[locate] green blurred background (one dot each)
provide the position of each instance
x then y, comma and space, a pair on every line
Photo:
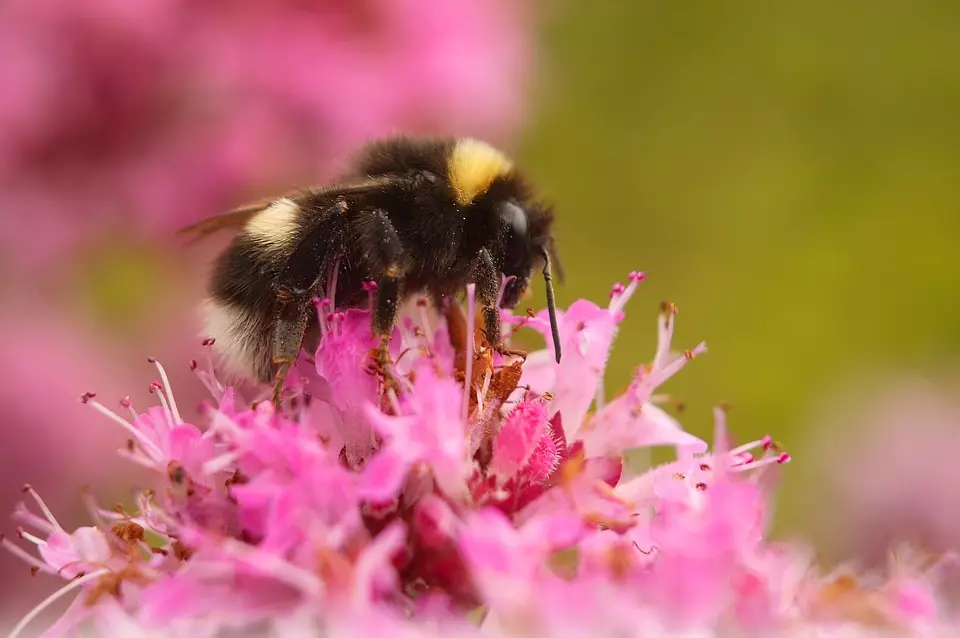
787, 173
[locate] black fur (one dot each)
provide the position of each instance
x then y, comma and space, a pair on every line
396, 222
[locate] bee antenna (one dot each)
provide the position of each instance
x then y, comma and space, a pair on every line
551, 303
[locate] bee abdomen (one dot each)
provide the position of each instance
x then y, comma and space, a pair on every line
243, 339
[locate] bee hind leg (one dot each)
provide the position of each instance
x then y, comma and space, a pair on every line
287, 340
384, 255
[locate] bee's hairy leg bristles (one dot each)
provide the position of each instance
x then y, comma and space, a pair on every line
551, 304
385, 256
294, 315
282, 371
384, 364
487, 279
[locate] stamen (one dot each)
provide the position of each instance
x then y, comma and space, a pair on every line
332, 283
169, 391
737, 451
33, 561
393, 401
425, 324
617, 303
468, 353
487, 377
22, 514
208, 378
220, 463
92, 509
663, 374
27, 536
157, 389
28, 489
756, 464
149, 446
54, 597
137, 458
274, 566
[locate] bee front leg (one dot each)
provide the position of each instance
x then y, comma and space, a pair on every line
487, 278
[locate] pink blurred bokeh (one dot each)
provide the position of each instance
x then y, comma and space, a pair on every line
888, 470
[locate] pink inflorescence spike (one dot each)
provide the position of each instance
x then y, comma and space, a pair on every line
375, 506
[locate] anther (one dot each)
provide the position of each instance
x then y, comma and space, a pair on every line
209, 341
86, 396
637, 276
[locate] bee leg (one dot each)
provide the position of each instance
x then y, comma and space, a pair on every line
288, 334
384, 316
487, 279
384, 256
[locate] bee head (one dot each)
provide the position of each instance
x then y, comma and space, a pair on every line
525, 246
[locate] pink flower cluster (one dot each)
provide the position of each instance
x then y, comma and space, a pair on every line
151, 114
482, 497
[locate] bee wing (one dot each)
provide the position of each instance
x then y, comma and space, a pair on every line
237, 217
231, 219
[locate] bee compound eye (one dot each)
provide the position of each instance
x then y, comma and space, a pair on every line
514, 218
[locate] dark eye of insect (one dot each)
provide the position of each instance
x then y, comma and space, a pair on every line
515, 221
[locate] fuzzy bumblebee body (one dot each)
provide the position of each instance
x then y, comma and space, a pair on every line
412, 215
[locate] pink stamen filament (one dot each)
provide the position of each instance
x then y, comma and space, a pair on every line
54, 597
322, 315
487, 377
425, 324
27, 536
149, 446
664, 338
163, 403
780, 459
43, 506
20, 553
332, 283
618, 302
276, 567
22, 514
220, 463
168, 390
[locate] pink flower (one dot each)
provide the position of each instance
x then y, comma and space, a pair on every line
411, 508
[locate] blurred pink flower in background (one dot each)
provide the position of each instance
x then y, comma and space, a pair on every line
148, 115
889, 471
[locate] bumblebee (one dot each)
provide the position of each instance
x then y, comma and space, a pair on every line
412, 215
